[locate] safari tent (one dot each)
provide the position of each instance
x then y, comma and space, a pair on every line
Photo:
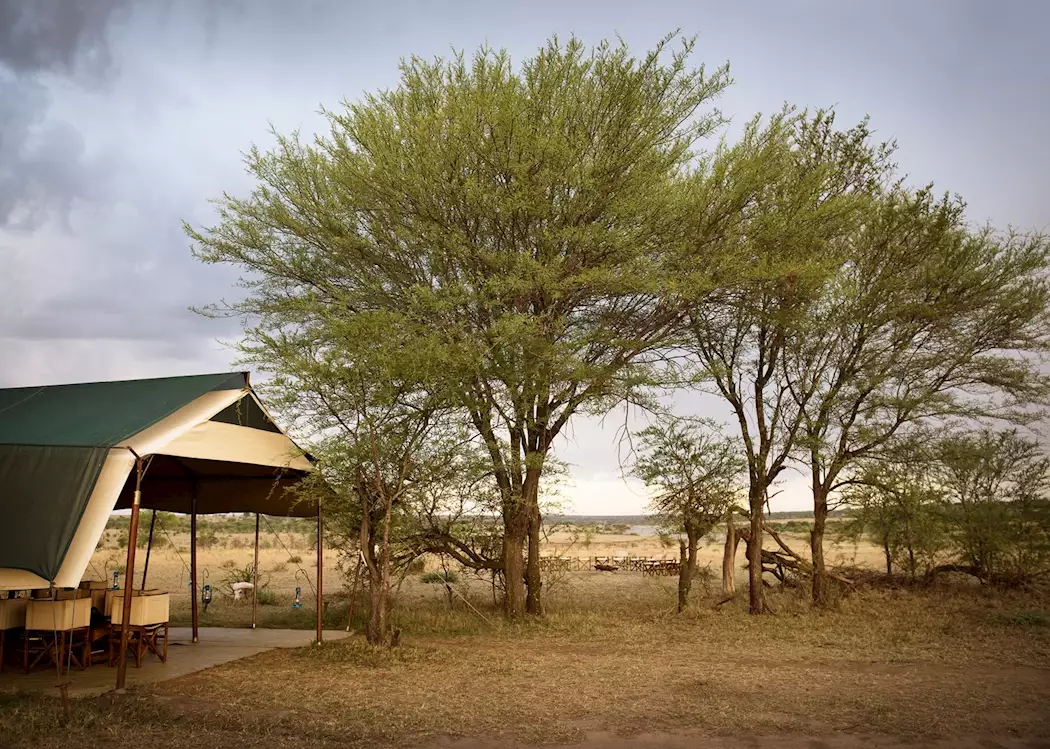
72, 454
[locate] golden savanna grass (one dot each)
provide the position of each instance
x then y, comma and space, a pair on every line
911, 664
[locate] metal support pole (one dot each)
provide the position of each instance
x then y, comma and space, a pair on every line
320, 571
193, 560
255, 575
149, 547
129, 577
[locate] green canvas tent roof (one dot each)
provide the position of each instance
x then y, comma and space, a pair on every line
67, 454
99, 414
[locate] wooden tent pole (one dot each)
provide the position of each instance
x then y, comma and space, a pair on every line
193, 560
149, 547
129, 577
255, 575
320, 571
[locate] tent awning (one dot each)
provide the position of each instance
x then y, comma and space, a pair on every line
67, 457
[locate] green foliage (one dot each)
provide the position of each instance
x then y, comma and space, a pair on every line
235, 574
469, 259
245, 574
266, 597
490, 240
695, 471
797, 527
444, 577
975, 499
995, 486
921, 318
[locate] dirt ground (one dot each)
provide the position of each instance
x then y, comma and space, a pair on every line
611, 665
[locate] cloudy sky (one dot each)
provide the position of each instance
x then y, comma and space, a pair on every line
120, 119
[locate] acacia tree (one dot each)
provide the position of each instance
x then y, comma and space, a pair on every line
924, 318
694, 470
995, 484
379, 440
897, 504
787, 232
501, 227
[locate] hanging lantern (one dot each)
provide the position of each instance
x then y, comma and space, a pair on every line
116, 577
206, 596
298, 602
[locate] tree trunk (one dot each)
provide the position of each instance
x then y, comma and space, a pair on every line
375, 630
376, 626
756, 594
729, 557
886, 551
533, 581
821, 597
515, 530
686, 568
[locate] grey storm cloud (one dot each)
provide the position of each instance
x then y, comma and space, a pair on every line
42, 168
49, 35
119, 119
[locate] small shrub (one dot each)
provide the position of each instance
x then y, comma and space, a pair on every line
267, 598
430, 578
279, 567
228, 564
207, 540
416, 566
295, 559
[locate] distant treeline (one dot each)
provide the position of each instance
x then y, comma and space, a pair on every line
239, 523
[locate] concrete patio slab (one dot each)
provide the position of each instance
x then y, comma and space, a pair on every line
216, 645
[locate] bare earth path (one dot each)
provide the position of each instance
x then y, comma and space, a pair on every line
692, 740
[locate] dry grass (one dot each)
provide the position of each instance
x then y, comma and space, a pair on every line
168, 570
907, 664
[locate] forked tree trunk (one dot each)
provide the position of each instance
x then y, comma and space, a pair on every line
729, 557
378, 569
756, 595
821, 596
